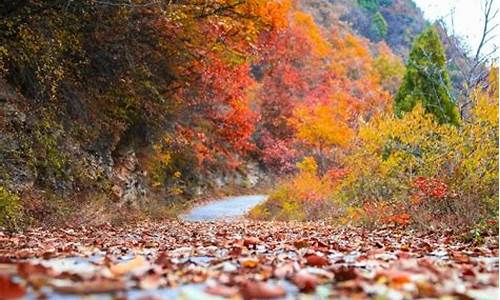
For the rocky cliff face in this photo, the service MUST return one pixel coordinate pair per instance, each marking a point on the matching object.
(39, 158)
(128, 180)
(15, 173)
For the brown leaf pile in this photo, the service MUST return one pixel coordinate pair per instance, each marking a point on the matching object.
(245, 260)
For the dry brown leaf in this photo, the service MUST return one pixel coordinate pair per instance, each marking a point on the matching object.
(261, 290)
(394, 277)
(317, 261)
(236, 251)
(129, 266)
(151, 282)
(251, 241)
(250, 262)
(426, 289)
(92, 287)
(29, 270)
(301, 244)
(10, 289)
(460, 257)
(345, 274)
(305, 281)
(283, 271)
(222, 290)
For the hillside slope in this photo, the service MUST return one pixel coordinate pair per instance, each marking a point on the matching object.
(396, 22)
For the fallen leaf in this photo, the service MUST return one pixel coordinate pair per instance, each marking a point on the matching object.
(305, 281)
(251, 241)
(10, 289)
(235, 251)
(95, 286)
(129, 266)
(405, 247)
(261, 290)
(459, 257)
(301, 243)
(317, 261)
(250, 262)
(345, 274)
(426, 289)
(394, 277)
(400, 279)
(222, 290)
(283, 271)
(163, 260)
(151, 282)
(28, 270)
(468, 272)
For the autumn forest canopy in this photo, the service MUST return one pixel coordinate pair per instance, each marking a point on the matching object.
(358, 112)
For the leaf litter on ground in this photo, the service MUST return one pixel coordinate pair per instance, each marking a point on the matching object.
(244, 260)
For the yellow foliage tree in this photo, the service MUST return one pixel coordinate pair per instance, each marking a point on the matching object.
(305, 196)
(478, 147)
(323, 127)
(306, 23)
(389, 68)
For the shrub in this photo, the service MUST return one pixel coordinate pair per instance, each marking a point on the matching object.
(389, 67)
(305, 196)
(10, 209)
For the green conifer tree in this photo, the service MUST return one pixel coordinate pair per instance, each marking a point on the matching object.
(379, 26)
(426, 80)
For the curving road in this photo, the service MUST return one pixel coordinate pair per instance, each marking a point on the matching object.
(228, 208)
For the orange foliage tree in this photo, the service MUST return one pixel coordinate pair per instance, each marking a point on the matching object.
(315, 87)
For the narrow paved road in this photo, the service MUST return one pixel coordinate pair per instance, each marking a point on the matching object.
(229, 208)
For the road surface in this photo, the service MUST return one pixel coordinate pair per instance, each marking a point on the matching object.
(228, 208)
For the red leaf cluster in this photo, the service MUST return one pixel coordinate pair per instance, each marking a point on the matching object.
(430, 187)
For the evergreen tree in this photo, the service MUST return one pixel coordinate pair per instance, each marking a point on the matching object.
(379, 26)
(426, 80)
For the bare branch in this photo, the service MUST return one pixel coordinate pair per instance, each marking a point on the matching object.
(489, 16)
